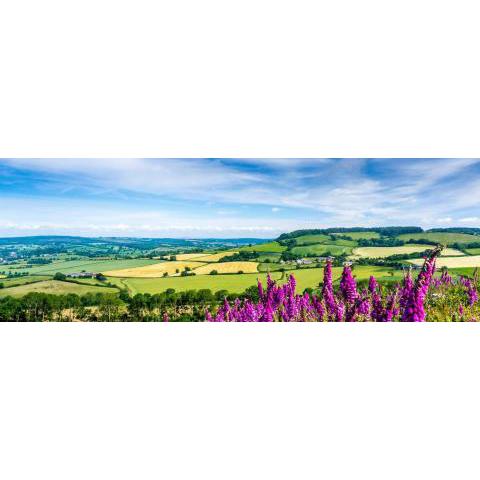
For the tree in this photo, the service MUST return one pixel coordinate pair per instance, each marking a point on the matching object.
(220, 295)
(60, 276)
(214, 272)
(204, 296)
(252, 293)
(109, 308)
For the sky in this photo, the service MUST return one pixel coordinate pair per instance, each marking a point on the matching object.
(231, 198)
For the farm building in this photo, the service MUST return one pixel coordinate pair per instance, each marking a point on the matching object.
(82, 275)
(304, 261)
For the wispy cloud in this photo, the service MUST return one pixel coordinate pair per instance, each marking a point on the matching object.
(234, 195)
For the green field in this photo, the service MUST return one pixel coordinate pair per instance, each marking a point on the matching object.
(273, 257)
(473, 251)
(270, 247)
(343, 243)
(238, 283)
(443, 238)
(321, 249)
(382, 252)
(13, 282)
(54, 287)
(309, 239)
(306, 240)
(466, 272)
(88, 265)
(360, 235)
(275, 267)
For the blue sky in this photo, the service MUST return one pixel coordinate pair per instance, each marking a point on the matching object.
(232, 197)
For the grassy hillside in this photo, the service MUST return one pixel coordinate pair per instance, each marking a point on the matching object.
(321, 249)
(72, 266)
(273, 247)
(13, 282)
(309, 239)
(54, 287)
(444, 238)
(382, 252)
(360, 235)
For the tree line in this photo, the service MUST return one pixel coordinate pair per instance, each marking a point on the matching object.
(189, 306)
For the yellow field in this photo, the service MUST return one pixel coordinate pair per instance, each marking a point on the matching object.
(188, 256)
(382, 252)
(214, 257)
(228, 267)
(153, 271)
(454, 262)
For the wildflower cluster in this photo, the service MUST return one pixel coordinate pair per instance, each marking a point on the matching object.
(411, 301)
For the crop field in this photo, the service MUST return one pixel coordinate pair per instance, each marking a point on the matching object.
(273, 257)
(360, 235)
(214, 257)
(88, 265)
(309, 239)
(227, 267)
(306, 278)
(13, 282)
(54, 287)
(321, 249)
(443, 238)
(382, 252)
(188, 256)
(454, 262)
(154, 271)
(274, 267)
(273, 247)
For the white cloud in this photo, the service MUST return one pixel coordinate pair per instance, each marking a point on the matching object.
(312, 192)
(470, 220)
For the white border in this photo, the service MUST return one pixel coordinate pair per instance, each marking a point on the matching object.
(257, 78)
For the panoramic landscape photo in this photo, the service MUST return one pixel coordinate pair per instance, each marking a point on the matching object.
(240, 240)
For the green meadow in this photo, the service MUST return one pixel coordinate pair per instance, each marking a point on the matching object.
(73, 266)
(54, 287)
(444, 238)
(306, 278)
(270, 247)
(321, 249)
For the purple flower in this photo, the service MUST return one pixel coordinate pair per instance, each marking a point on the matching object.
(348, 286)
(414, 306)
(281, 303)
